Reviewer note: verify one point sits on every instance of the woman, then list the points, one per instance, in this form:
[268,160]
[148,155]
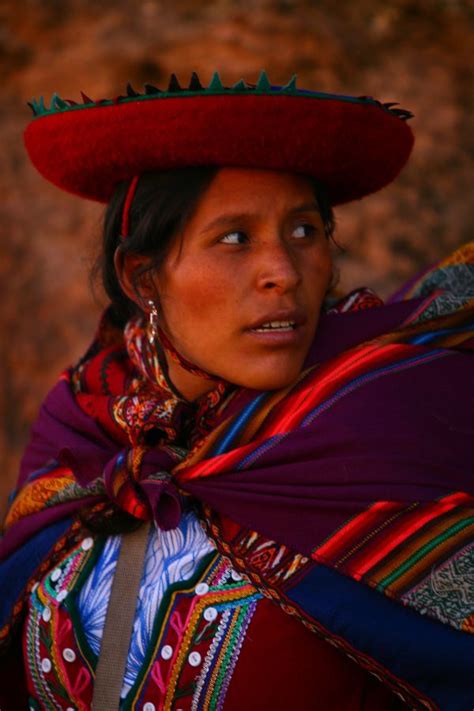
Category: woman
[310,534]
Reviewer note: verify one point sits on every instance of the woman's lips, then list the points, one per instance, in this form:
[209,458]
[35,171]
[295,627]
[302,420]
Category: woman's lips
[280,317]
[288,336]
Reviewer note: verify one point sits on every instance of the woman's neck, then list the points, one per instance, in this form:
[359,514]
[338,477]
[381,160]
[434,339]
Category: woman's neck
[189,385]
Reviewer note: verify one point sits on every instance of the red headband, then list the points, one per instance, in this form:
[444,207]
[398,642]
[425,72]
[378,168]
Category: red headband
[127,205]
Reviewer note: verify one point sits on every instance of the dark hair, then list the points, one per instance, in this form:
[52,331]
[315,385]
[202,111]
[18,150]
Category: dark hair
[163,202]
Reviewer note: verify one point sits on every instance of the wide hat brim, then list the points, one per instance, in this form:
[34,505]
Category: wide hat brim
[354,146]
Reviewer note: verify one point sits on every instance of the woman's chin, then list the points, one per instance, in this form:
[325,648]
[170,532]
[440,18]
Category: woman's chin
[271,378]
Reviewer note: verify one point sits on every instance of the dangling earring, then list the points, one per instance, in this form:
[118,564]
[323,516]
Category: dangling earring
[153,321]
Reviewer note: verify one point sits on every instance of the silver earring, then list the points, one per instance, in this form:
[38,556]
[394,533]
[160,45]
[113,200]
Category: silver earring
[153,321]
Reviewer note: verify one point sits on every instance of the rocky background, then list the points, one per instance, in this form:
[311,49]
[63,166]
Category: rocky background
[416,52]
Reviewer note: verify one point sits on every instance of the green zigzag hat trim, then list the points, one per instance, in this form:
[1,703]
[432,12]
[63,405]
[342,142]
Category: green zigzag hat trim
[195,88]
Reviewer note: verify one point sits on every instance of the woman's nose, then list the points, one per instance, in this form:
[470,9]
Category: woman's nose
[278,269]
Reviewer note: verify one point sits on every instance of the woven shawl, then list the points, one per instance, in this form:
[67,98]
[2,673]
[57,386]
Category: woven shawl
[361,471]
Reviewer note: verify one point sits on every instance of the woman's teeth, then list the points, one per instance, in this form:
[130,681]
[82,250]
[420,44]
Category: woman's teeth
[276,326]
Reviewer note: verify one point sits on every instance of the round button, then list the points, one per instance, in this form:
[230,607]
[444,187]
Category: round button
[167,651]
[202,589]
[69,654]
[236,576]
[149,706]
[46,614]
[194,659]
[70,708]
[46,665]
[56,574]
[210,614]
[62,595]
[87,543]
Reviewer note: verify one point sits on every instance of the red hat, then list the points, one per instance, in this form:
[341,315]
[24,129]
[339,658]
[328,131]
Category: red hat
[353,145]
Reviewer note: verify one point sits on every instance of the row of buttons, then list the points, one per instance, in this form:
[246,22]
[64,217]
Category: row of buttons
[86,545]
[68,654]
[203,588]
[210,614]
[194,658]
[46,614]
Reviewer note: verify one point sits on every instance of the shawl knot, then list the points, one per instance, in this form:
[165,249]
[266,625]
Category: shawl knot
[135,482]
[125,388]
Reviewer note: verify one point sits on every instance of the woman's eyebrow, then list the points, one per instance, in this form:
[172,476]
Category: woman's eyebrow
[234,217]
[306,207]
[226,219]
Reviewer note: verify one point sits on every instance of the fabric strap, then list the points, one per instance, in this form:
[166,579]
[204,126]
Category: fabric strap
[119,621]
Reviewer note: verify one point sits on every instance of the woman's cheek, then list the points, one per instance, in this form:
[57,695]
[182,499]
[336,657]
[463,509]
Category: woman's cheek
[201,306]
[206,287]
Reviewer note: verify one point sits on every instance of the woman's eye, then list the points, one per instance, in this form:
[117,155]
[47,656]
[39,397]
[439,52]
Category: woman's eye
[305,230]
[234,238]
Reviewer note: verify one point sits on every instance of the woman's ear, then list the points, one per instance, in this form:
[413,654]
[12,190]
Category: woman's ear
[139,286]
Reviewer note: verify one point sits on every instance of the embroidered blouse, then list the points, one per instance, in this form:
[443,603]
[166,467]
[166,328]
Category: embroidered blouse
[203,636]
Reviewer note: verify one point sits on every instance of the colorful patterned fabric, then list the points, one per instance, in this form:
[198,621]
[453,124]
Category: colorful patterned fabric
[449,284]
[149,414]
[197,632]
[344,468]
[212,642]
[412,546]
[171,557]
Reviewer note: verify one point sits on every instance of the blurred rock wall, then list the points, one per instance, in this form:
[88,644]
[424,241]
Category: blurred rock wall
[416,52]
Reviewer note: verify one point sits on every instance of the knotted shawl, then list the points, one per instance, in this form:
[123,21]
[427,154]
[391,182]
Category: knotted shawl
[358,477]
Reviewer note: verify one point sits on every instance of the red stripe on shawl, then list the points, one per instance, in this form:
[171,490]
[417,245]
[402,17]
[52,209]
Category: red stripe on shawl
[349,365]
[335,545]
[363,561]
[216,465]
[329,379]
[390,534]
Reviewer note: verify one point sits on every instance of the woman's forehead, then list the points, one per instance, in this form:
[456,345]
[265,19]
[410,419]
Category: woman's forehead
[252,178]
[233,189]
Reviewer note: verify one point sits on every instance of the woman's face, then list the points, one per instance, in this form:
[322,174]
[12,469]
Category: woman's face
[241,289]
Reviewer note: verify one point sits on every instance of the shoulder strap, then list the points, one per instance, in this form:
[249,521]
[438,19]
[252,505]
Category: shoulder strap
[119,621]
